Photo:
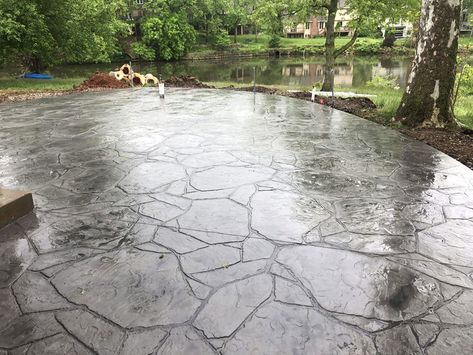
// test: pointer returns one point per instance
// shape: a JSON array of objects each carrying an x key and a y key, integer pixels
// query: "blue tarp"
[{"x": 36, "y": 76}]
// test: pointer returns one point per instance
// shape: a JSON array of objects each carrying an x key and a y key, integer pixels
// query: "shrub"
[
  {"x": 220, "y": 40},
  {"x": 383, "y": 82},
  {"x": 170, "y": 35},
  {"x": 367, "y": 46},
  {"x": 464, "y": 83},
  {"x": 274, "y": 42},
  {"x": 144, "y": 52}
]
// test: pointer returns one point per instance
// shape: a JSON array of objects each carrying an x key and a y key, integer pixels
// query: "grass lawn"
[
  {"x": 8, "y": 84},
  {"x": 466, "y": 40},
  {"x": 248, "y": 44}
]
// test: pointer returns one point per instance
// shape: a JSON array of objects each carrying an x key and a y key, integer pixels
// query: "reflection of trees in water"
[{"x": 294, "y": 71}]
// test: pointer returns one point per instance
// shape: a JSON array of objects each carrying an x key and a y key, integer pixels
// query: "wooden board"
[{"x": 13, "y": 205}]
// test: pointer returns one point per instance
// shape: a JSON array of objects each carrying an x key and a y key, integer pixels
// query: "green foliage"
[
  {"x": 144, "y": 52},
  {"x": 370, "y": 28},
  {"x": 274, "y": 41},
  {"x": 270, "y": 15},
  {"x": 366, "y": 46},
  {"x": 40, "y": 33},
  {"x": 463, "y": 98},
  {"x": 167, "y": 29},
  {"x": 466, "y": 81},
  {"x": 217, "y": 36},
  {"x": 32, "y": 85},
  {"x": 220, "y": 39},
  {"x": 383, "y": 82},
  {"x": 169, "y": 35}
]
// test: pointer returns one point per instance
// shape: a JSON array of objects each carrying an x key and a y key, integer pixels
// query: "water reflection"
[{"x": 349, "y": 72}]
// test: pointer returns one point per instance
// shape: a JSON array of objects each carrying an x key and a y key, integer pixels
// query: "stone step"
[{"x": 13, "y": 205}]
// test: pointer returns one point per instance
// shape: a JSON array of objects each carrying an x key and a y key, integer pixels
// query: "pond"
[{"x": 295, "y": 72}]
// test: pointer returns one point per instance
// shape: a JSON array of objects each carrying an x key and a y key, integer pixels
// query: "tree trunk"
[
  {"x": 35, "y": 65},
  {"x": 330, "y": 46},
  {"x": 428, "y": 98},
  {"x": 235, "y": 32}
]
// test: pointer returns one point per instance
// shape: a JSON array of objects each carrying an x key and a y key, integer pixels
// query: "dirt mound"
[
  {"x": 185, "y": 81},
  {"x": 101, "y": 80}
]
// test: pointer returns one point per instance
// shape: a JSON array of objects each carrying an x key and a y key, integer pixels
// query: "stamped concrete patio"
[{"x": 220, "y": 222}]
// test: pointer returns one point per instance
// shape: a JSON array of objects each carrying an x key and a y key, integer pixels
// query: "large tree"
[
  {"x": 166, "y": 28},
  {"x": 428, "y": 98},
  {"x": 40, "y": 33},
  {"x": 331, "y": 53},
  {"x": 273, "y": 15},
  {"x": 364, "y": 13}
]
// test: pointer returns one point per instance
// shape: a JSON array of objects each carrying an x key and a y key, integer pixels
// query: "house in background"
[
  {"x": 465, "y": 25},
  {"x": 316, "y": 25},
  {"x": 135, "y": 9},
  {"x": 401, "y": 29}
]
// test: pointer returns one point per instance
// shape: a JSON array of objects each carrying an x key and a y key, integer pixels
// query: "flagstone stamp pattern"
[{"x": 221, "y": 222}]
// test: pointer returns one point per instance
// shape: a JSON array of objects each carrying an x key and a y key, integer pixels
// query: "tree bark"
[
  {"x": 428, "y": 99},
  {"x": 330, "y": 46}
]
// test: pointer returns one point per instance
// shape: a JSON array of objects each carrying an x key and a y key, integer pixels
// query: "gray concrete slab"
[{"x": 222, "y": 222}]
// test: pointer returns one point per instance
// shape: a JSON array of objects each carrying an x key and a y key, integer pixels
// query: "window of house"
[
  {"x": 140, "y": 2},
  {"x": 321, "y": 25},
  {"x": 307, "y": 25}
]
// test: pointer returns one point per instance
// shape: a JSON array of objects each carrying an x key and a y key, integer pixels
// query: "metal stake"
[
  {"x": 161, "y": 87},
  {"x": 131, "y": 76},
  {"x": 333, "y": 83}
]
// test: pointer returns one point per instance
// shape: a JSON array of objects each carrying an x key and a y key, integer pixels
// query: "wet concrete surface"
[{"x": 218, "y": 222}]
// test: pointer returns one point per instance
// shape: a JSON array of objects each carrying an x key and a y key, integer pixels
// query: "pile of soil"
[
  {"x": 102, "y": 81},
  {"x": 456, "y": 144},
  {"x": 186, "y": 81}
]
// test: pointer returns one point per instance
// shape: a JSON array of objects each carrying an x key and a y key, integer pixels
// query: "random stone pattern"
[{"x": 245, "y": 225}]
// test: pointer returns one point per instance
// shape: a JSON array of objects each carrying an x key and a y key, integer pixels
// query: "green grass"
[
  {"x": 8, "y": 84},
  {"x": 248, "y": 41},
  {"x": 250, "y": 44},
  {"x": 464, "y": 111},
  {"x": 387, "y": 101},
  {"x": 466, "y": 40}
]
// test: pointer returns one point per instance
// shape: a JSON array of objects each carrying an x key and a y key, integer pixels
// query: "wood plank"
[{"x": 13, "y": 205}]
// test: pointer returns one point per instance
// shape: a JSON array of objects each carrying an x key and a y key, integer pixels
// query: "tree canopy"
[{"x": 40, "y": 33}]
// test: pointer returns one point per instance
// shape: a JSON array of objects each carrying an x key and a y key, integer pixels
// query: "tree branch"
[{"x": 343, "y": 49}]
